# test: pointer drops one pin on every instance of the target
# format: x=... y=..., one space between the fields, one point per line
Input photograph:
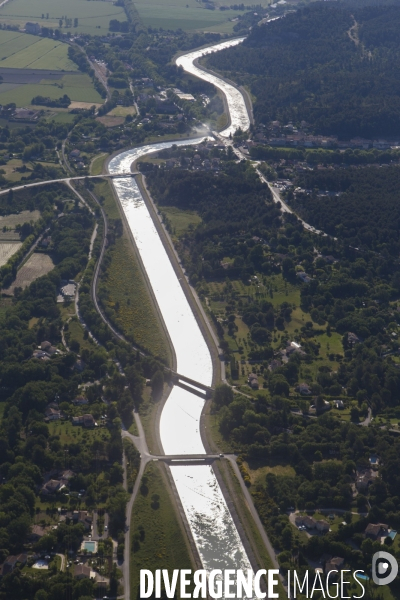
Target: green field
x=93 y=15
x=23 y=51
x=186 y=14
x=180 y=220
x=78 y=87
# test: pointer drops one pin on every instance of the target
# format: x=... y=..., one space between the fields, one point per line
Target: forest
x=332 y=66
x=365 y=214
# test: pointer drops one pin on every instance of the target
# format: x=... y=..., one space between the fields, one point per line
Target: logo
x=384 y=568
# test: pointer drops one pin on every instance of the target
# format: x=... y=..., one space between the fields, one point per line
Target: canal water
x=214 y=531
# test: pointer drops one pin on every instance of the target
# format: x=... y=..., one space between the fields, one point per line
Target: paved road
x=66 y=180
x=62 y=556
x=141 y=444
x=368 y=420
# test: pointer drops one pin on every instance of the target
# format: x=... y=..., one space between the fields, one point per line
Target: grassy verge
x=248 y=524
x=158 y=539
x=148 y=411
x=124 y=293
x=96 y=168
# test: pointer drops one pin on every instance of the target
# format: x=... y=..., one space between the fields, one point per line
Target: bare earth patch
x=109 y=121
x=122 y=111
x=36 y=266
x=7 y=250
x=85 y=105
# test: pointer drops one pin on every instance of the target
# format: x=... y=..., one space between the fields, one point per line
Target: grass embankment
x=148 y=415
x=124 y=293
x=96 y=168
x=158 y=539
x=247 y=521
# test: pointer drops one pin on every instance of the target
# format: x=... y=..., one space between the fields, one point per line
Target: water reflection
x=236 y=104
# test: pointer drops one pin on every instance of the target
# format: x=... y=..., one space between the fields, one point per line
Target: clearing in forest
x=36 y=266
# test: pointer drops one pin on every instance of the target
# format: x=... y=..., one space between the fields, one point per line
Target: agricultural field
x=24 y=51
x=25 y=216
x=189 y=15
x=36 y=266
x=122 y=111
x=78 y=86
x=110 y=121
x=7 y=249
x=93 y=16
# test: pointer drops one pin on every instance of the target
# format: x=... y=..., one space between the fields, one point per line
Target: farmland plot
x=7 y=250
x=36 y=266
x=93 y=17
x=78 y=87
x=24 y=51
x=25 y=216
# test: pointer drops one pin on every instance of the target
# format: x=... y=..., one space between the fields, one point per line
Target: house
x=303 y=276
x=305 y=520
x=82 y=517
x=323 y=526
x=45 y=346
x=88 y=421
x=187 y=97
x=33 y=28
x=274 y=364
x=37 y=533
x=352 y=338
x=82 y=572
x=66 y=475
x=80 y=401
x=364 y=479
x=197 y=160
x=304 y=389
x=75 y=153
x=339 y=404
x=375 y=531
x=85 y=420
x=252 y=380
x=52 y=414
x=52 y=487
x=309 y=522
x=25 y=115
x=334 y=564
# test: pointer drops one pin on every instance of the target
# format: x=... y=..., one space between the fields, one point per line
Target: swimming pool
x=392 y=534
x=89 y=546
x=362 y=576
